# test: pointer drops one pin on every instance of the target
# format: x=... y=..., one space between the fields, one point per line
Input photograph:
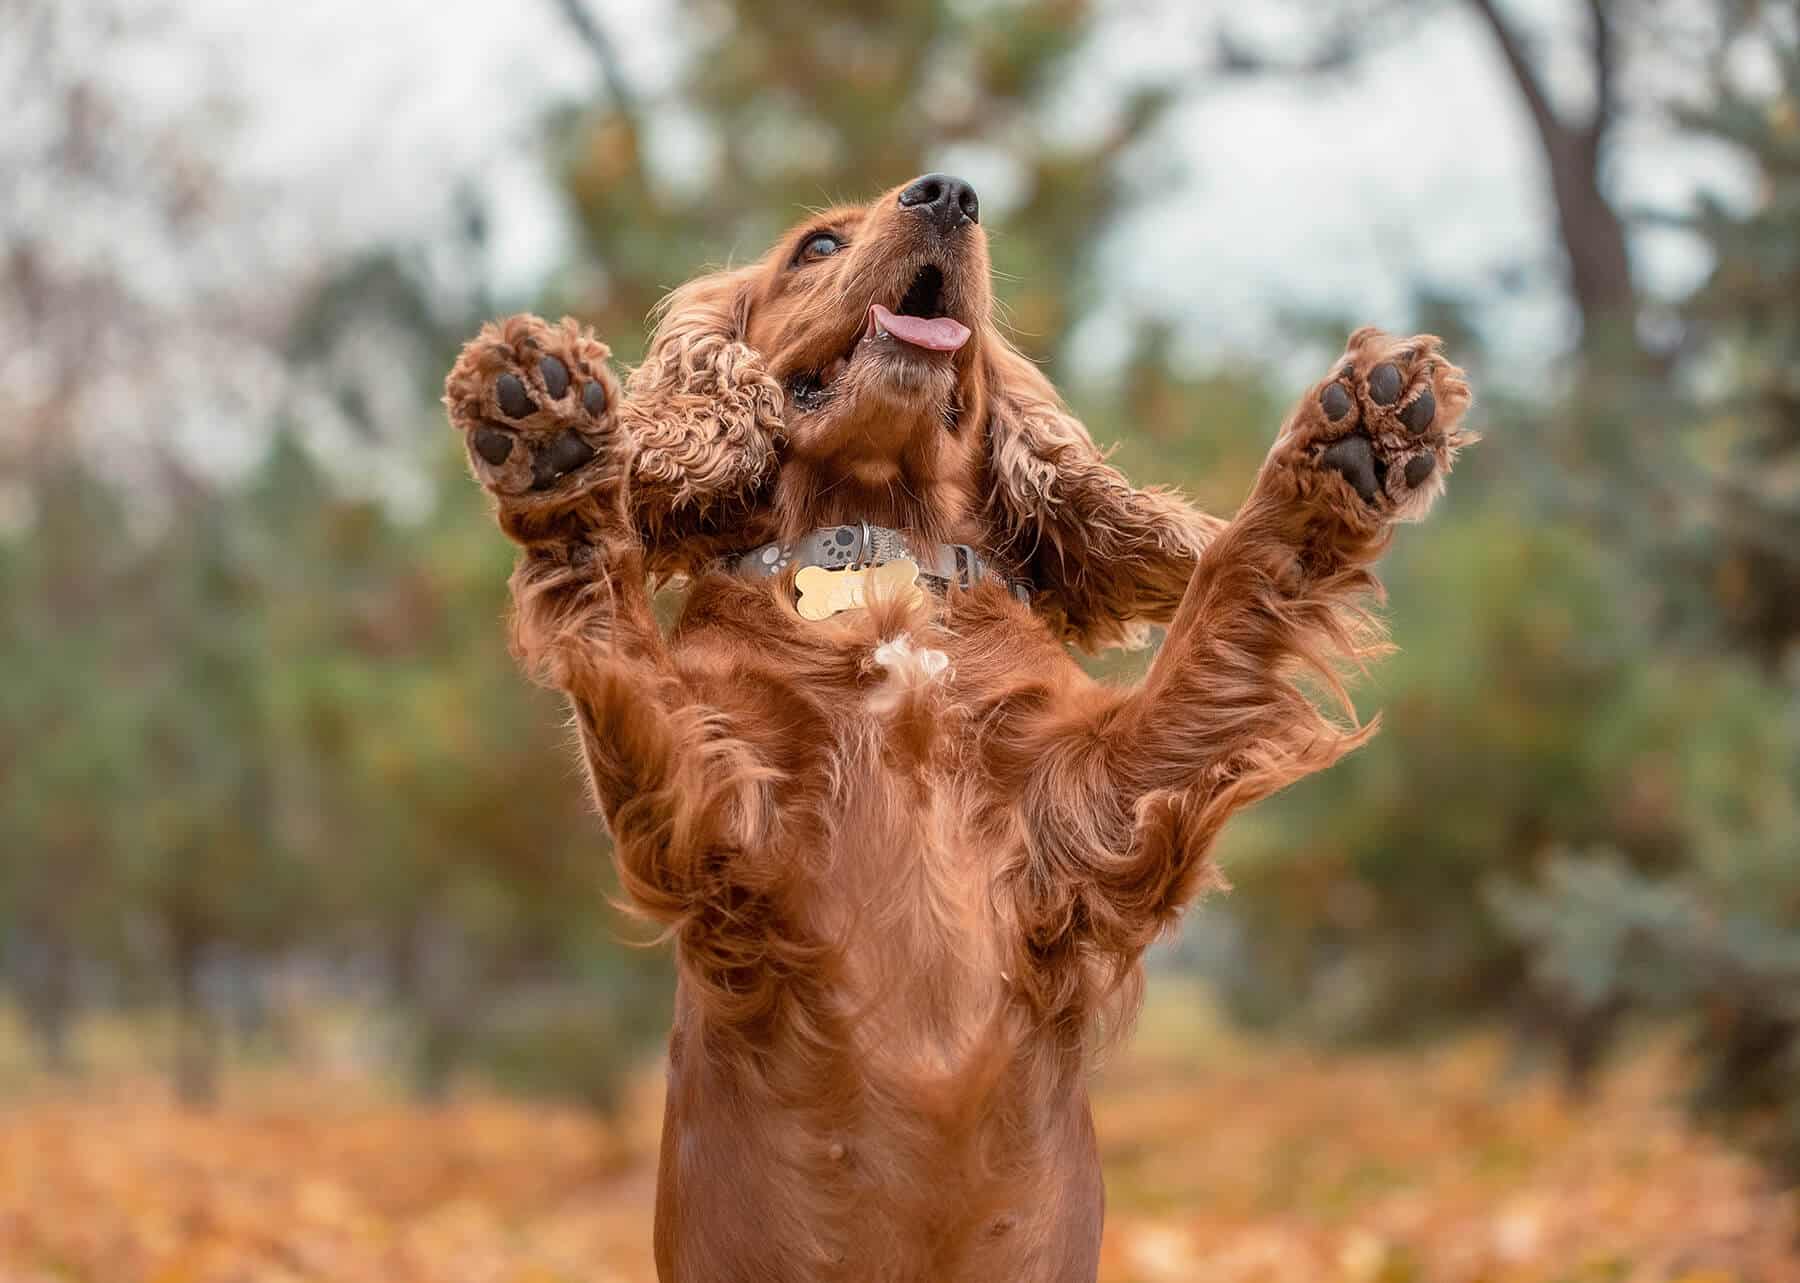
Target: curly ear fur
x=703 y=413
x=1109 y=559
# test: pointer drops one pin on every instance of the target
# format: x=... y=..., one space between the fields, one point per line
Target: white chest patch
x=909 y=666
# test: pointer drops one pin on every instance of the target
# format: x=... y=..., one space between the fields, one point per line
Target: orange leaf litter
x=1242 y=1164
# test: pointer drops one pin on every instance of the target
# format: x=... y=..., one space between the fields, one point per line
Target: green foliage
x=1522 y=709
x=1584 y=804
x=1715 y=942
x=1603 y=937
x=274 y=723
x=1741 y=541
x=803 y=106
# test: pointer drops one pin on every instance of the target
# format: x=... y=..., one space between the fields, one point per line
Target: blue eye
x=821 y=246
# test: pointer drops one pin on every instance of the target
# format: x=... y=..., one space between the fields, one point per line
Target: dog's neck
x=925 y=501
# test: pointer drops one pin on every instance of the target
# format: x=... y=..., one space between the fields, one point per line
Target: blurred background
x=306 y=969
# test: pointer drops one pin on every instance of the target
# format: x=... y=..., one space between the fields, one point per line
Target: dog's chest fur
x=905 y=1099
x=905 y=896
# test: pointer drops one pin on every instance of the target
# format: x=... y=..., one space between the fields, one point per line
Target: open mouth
x=916 y=322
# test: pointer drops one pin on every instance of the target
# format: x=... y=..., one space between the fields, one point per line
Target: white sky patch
x=1264 y=195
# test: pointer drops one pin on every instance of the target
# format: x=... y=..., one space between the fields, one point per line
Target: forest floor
x=1225 y=1161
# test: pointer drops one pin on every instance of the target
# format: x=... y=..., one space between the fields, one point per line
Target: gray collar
x=863 y=545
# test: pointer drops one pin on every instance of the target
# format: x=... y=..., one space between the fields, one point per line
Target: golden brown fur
x=906 y=895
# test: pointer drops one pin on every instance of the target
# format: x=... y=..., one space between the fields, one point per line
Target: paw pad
x=556 y=377
x=1386 y=421
x=570 y=451
x=1335 y=400
x=509 y=394
x=1354 y=457
x=509 y=390
x=1418 y=416
x=493 y=445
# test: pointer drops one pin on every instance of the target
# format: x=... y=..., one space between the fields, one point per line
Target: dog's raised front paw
x=1386 y=424
x=536 y=405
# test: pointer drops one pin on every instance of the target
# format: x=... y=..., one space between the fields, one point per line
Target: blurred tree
x=1738 y=533
x=1573 y=141
x=1524 y=707
x=129 y=256
x=273 y=714
x=793 y=107
x=64 y=754
x=201 y=854
x=1626 y=56
x=1717 y=942
x=1574 y=147
x=1628 y=798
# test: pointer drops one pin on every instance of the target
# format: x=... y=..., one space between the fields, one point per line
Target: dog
x=910 y=854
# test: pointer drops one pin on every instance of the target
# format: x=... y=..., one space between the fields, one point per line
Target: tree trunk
x=1590 y=229
x=1593 y=239
x=196 y=1063
x=46 y=983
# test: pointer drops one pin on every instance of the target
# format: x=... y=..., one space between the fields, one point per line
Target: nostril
x=949 y=202
x=922 y=191
x=967 y=202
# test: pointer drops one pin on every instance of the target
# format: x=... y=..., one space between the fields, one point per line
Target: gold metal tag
x=824 y=593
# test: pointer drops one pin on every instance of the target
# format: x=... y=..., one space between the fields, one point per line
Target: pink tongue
x=939 y=333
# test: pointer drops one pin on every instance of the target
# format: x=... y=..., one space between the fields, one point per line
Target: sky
x=1265 y=195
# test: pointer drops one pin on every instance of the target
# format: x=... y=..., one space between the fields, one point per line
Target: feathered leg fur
x=1126 y=791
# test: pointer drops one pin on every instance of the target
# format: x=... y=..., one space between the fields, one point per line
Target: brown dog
x=910 y=853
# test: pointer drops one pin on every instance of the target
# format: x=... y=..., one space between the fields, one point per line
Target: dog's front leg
x=540 y=414
x=1125 y=798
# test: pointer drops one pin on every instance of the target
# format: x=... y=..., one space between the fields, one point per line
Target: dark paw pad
x=1354 y=457
x=1419 y=468
x=1418 y=416
x=1335 y=400
x=562 y=455
x=509 y=390
x=1385 y=384
x=556 y=377
x=593 y=399
x=493 y=445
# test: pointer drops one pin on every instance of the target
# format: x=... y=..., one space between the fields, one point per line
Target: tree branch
x=1605 y=55
x=612 y=73
x=1549 y=124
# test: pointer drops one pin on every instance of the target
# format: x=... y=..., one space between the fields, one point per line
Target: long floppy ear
x=703 y=414
x=1108 y=559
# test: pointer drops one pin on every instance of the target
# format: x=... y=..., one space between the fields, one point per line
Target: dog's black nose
x=948 y=202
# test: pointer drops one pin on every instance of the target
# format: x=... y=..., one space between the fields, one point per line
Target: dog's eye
x=821 y=246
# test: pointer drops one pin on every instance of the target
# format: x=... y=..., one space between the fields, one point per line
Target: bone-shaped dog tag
x=823 y=593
